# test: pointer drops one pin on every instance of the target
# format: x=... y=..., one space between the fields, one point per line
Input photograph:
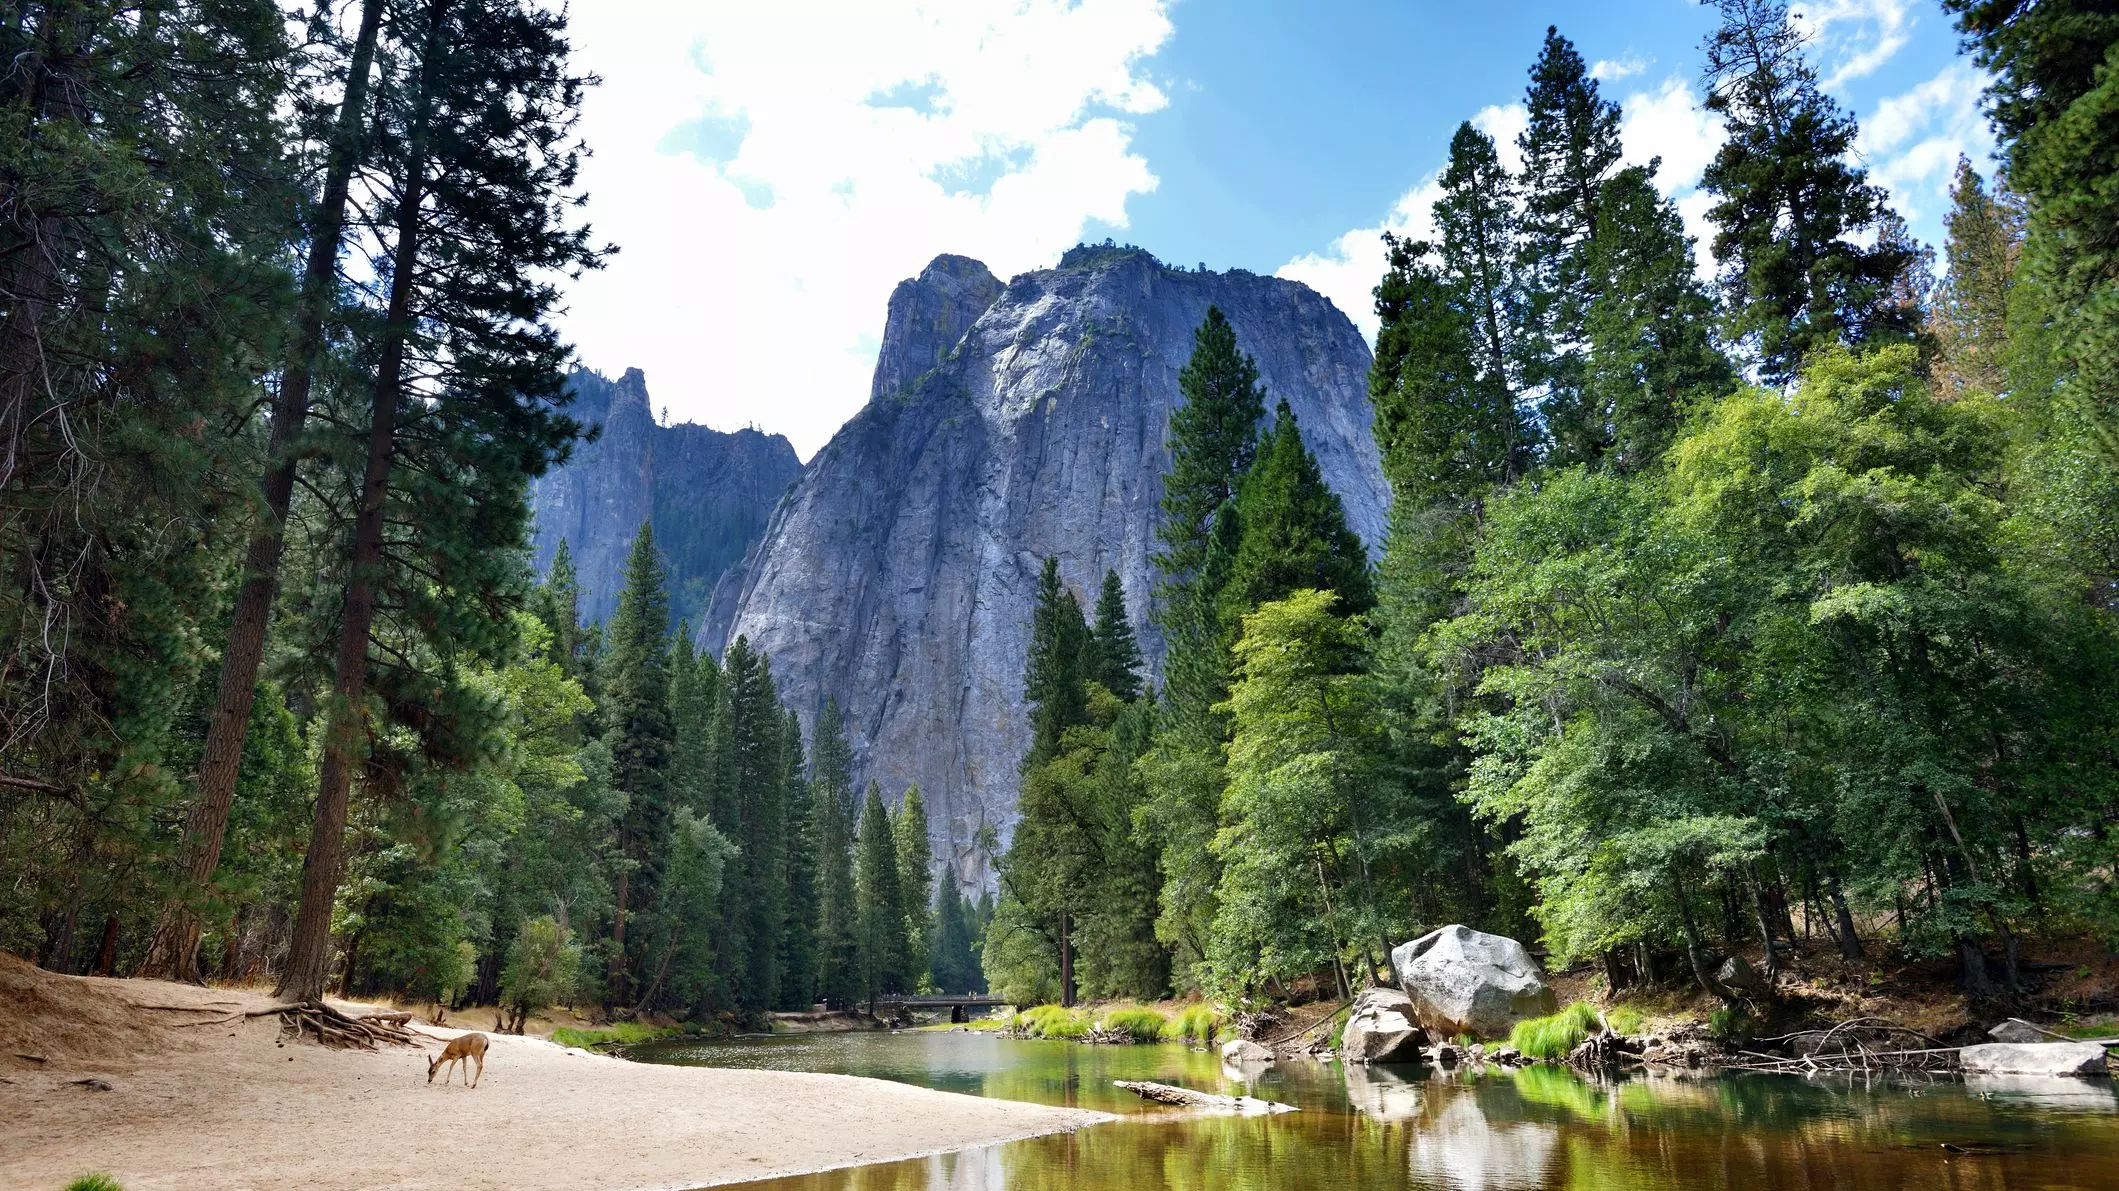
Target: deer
x=467 y=1049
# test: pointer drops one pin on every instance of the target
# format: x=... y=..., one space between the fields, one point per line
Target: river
x=1537 y=1127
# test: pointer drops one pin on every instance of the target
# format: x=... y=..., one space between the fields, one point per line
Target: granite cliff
x=707 y=493
x=1007 y=423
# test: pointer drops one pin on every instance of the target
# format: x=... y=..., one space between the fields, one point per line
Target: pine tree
x=879 y=933
x=831 y=802
x=557 y=602
x=751 y=812
x=641 y=739
x=481 y=167
x=1479 y=223
x=174 y=952
x=1447 y=432
x=1114 y=659
x=1213 y=436
x=915 y=880
x=1652 y=353
x=1792 y=205
x=2055 y=103
x=798 y=936
x=1570 y=145
x=1970 y=317
x=1052 y=675
x=1294 y=532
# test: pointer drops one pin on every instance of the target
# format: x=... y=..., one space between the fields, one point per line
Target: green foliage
x=94 y=1182
x=1294 y=532
x=543 y=968
x=1555 y=1037
x=1625 y=1019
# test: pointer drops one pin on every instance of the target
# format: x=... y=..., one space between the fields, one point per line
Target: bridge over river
x=959 y=1005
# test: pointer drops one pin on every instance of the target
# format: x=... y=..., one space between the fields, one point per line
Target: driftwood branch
x=1163 y=1093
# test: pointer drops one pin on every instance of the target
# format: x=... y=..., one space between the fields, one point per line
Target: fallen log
x=1163 y=1093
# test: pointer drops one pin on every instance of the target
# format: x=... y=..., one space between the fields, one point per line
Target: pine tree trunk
x=1066 y=942
x=174 y=951
x=309 y=957
x=625 y=886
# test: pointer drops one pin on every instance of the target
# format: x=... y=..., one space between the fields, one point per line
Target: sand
x=227 y=1106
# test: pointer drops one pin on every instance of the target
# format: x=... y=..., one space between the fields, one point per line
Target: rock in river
x=1464 y=981
x=2034 y=1058
x=1382 y=1029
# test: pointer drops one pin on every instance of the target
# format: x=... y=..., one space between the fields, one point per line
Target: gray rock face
x=707 y=493
x=2035 y=1058
x=1382 y=1029
x=1243 y=1051
x=897 y=575
x=1464 y=981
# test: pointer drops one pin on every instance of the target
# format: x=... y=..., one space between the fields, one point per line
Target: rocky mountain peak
x=1022 y=421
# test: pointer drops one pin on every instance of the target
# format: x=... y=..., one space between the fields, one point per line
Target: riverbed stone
x=1382 y=1029
x=1463 y=981
x=1241 y=1051
x=2035 y=1058
x=2017 y=1030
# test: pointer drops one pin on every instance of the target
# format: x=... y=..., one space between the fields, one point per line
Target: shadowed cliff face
x=707 y=493
x=897 y=575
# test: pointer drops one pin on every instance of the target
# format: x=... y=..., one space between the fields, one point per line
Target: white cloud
x=1853 y=38
x=1618 y=68
x=770 y=171
x=1912 y=141
x=1348 y=269
x=1670 y=124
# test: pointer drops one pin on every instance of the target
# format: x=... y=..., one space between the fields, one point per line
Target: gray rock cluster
x=2035 y=1058
x=1007 y=423
x=1463 y=981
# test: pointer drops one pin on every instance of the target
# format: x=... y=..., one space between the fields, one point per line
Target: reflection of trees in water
x=1370 y=1129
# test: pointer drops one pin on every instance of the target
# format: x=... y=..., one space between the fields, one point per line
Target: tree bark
x=1066 y=950
x=174 y=951
x=308 y=959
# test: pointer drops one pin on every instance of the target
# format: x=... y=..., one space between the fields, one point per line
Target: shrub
x=1553 y=1037
x=544 y=964
x=94 y=1182
x=1625 y=1019
x=1145 y=1025
x=1194 y=1023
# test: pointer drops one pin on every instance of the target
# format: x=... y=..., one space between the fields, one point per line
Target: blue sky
x=769 y=172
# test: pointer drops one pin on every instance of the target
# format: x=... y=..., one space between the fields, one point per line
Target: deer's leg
x=481 y=1070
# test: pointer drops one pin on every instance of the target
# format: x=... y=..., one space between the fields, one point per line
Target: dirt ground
x=228 y=1106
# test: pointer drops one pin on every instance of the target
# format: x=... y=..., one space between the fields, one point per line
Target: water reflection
x=1467 y=1130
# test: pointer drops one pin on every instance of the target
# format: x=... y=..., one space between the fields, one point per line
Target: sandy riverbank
x=226 y=1107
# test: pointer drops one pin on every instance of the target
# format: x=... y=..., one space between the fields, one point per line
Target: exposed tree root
x=329 y=1026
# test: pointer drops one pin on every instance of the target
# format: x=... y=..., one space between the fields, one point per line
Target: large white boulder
x=2034 y=1058
x=1382 y=1029
x=1464 y=981
x=1242 y=1051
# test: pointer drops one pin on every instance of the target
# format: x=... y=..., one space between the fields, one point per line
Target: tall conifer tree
x=832 y=806
x=879 y=932
x=1114 y=652
x=1570 y=146
x=641 y=738
x=1793 y=207
x=915 y=880
x=798 y=936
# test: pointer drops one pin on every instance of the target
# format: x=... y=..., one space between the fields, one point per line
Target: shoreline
x=225 y=1105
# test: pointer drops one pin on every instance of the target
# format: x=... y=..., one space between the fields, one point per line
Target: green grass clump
x=1194 y=1023
x=618 y=1033
x=1731 y=1025
x=1051 y=1021
x=1553 y=1037
x=94 y=1182
x=1146 y=1025
x=1625 y=1019
x=1069 y=1026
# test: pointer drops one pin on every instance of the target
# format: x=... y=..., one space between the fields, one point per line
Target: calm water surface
x=1539 y=1127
